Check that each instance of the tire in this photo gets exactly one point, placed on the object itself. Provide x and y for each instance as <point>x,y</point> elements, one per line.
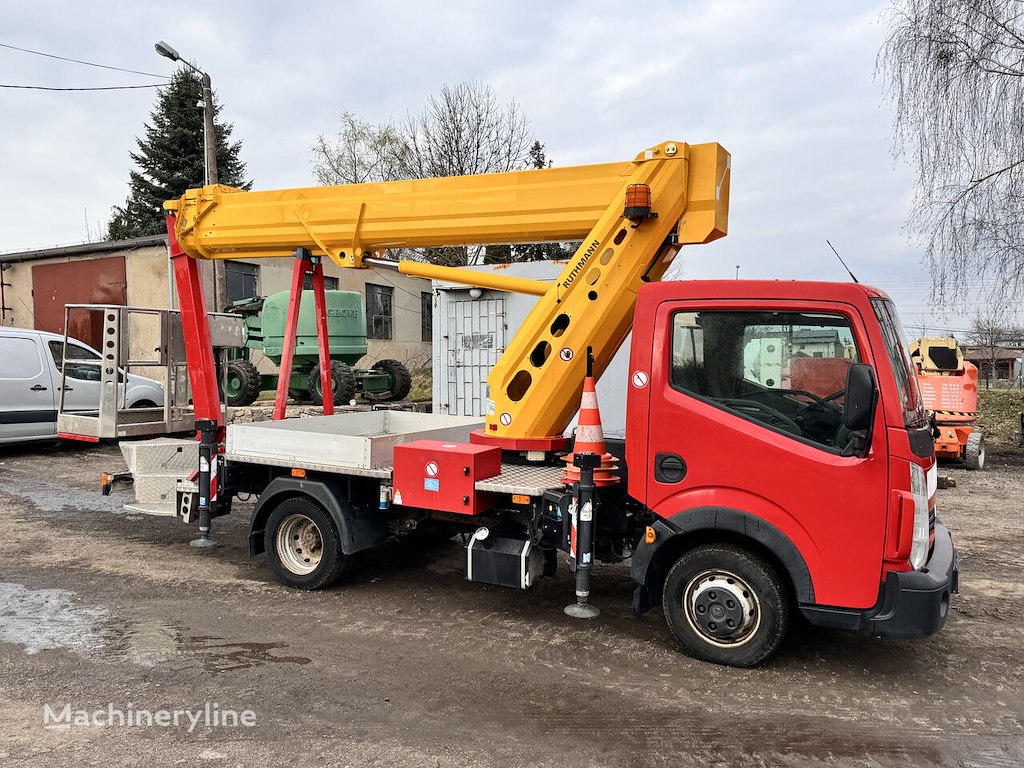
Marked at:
<point>343,382</point>
<point>750,595</point>
<point>974,451</point>
<point>401,379</point>
<point>242,386</point>
<point>303,546</point>
<point>144,404</point>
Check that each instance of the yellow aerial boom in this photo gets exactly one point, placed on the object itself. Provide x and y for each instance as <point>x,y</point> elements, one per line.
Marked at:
<point>631,218</point>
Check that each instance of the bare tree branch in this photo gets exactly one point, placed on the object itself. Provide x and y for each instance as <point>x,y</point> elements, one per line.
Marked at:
<point>954,72</point>
<point>462,130</point>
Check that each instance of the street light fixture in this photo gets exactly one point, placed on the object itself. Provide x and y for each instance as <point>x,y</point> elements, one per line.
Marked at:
<point>220,299</point>
<point>209,131</point>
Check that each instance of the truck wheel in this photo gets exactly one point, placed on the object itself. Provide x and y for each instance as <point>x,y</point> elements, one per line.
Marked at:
<point>726,606</point>
<point>303,545</point>
<point>343,382</point>
<point>401,379</point>
<point>974,451</point>
<point>243,383</point>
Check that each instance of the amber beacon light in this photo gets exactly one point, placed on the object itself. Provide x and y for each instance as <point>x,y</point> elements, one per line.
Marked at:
<point>638,202</point>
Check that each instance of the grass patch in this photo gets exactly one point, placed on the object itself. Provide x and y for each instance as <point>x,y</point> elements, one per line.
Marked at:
<point>422,385</point>
<point>999,414</point>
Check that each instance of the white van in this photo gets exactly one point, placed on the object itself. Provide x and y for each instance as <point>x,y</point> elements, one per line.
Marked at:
<point>30,380</point>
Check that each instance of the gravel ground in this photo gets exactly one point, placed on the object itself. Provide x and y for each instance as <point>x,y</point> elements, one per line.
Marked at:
<point>407,663</point>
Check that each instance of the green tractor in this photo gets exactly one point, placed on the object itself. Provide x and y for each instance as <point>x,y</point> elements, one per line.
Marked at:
<point>386,380</point>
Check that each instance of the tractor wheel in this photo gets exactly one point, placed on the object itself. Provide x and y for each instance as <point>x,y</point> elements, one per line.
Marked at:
<point>974,451</point>
<point>343,383</point>
<point>243,383</point>
<point>401,379</point>
<point>726,605</point>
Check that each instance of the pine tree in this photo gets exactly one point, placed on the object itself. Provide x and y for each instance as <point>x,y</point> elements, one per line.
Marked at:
<point>170,158</point>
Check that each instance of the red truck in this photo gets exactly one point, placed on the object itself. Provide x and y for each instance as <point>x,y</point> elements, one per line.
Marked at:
<point>780,498</point>
<point>777,455</point>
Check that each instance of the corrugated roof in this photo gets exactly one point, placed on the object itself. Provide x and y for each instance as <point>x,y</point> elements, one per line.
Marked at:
<point>104,246</point>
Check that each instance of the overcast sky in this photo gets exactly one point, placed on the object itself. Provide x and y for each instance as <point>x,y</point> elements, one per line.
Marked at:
<point>787,87</point>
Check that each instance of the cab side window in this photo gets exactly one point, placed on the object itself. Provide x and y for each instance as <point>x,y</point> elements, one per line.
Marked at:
<point>80,371</point>
<point>783,370</point>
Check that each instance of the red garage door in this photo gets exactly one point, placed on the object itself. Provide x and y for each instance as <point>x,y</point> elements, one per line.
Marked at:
<point>87,281</point>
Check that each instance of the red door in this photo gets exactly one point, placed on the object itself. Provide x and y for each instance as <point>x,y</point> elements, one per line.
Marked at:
<point>745,412</point>
<point>86,281</point>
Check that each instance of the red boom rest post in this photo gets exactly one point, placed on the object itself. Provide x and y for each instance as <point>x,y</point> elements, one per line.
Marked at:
<point>195,327</point>
<point>323,343</point>
<point>305,262</point>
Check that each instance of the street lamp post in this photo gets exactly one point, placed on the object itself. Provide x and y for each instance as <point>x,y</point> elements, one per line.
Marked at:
<point>220,293</point>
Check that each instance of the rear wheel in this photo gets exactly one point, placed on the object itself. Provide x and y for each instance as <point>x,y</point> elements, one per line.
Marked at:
<point>974,451</point>
<point>399,379</point>
<point>303,545</point>
<point>343,384</point>
<point>242,386</point>
<point>725,605</point>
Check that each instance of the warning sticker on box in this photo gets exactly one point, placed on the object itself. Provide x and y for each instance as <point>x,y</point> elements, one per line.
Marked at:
<point>431,484</point>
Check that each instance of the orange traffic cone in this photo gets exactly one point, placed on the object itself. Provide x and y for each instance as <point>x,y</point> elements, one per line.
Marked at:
<point>590,439</point>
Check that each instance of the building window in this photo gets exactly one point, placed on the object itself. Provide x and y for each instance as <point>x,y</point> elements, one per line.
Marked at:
<point>330,283</point>
<point>243,280</point>
<point>426,316</point>
<point>379,303</point>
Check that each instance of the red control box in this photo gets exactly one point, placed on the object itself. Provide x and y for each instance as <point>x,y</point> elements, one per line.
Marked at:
<point>439,475</point>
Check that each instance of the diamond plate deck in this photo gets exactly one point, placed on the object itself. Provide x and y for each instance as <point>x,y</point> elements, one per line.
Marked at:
<point>529,480</point>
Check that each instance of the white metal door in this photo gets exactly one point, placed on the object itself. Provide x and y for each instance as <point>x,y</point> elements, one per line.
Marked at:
<point>476,339</point>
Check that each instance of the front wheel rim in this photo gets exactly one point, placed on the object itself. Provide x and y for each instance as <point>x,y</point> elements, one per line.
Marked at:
<point>299,544</point>
<point>721,608</point>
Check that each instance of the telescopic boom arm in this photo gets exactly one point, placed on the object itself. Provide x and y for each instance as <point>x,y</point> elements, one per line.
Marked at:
<point>631,217</point>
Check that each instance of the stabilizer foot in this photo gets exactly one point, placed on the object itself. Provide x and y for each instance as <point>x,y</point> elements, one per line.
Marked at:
<point>582,611</point>
<point>204,542</point>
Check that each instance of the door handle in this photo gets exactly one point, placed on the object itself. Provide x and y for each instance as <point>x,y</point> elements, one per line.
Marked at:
<point>669,468</point>
<point>68,389</point>
<point>38,388</point>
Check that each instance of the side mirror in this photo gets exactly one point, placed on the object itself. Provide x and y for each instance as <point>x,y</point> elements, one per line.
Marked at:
<point>861,395</point>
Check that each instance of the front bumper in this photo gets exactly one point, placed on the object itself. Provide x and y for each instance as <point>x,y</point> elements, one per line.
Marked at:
<point>911,605</point>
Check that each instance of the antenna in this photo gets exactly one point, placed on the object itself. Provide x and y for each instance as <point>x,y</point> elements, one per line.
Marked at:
<point>852,276</point>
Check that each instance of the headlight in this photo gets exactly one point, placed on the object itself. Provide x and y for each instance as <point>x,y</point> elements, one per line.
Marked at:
<point>919,489</point>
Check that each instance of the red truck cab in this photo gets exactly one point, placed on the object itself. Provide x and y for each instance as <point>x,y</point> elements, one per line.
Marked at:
<point>740,443</point>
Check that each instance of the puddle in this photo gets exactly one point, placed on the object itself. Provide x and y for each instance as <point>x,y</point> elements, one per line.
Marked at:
<point>53,619</point>
<point>28,489</point>
<point>44,619</point>
<point>152,643</point>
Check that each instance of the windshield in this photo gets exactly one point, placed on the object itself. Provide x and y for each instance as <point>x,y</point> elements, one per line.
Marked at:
<point>899,357</point>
